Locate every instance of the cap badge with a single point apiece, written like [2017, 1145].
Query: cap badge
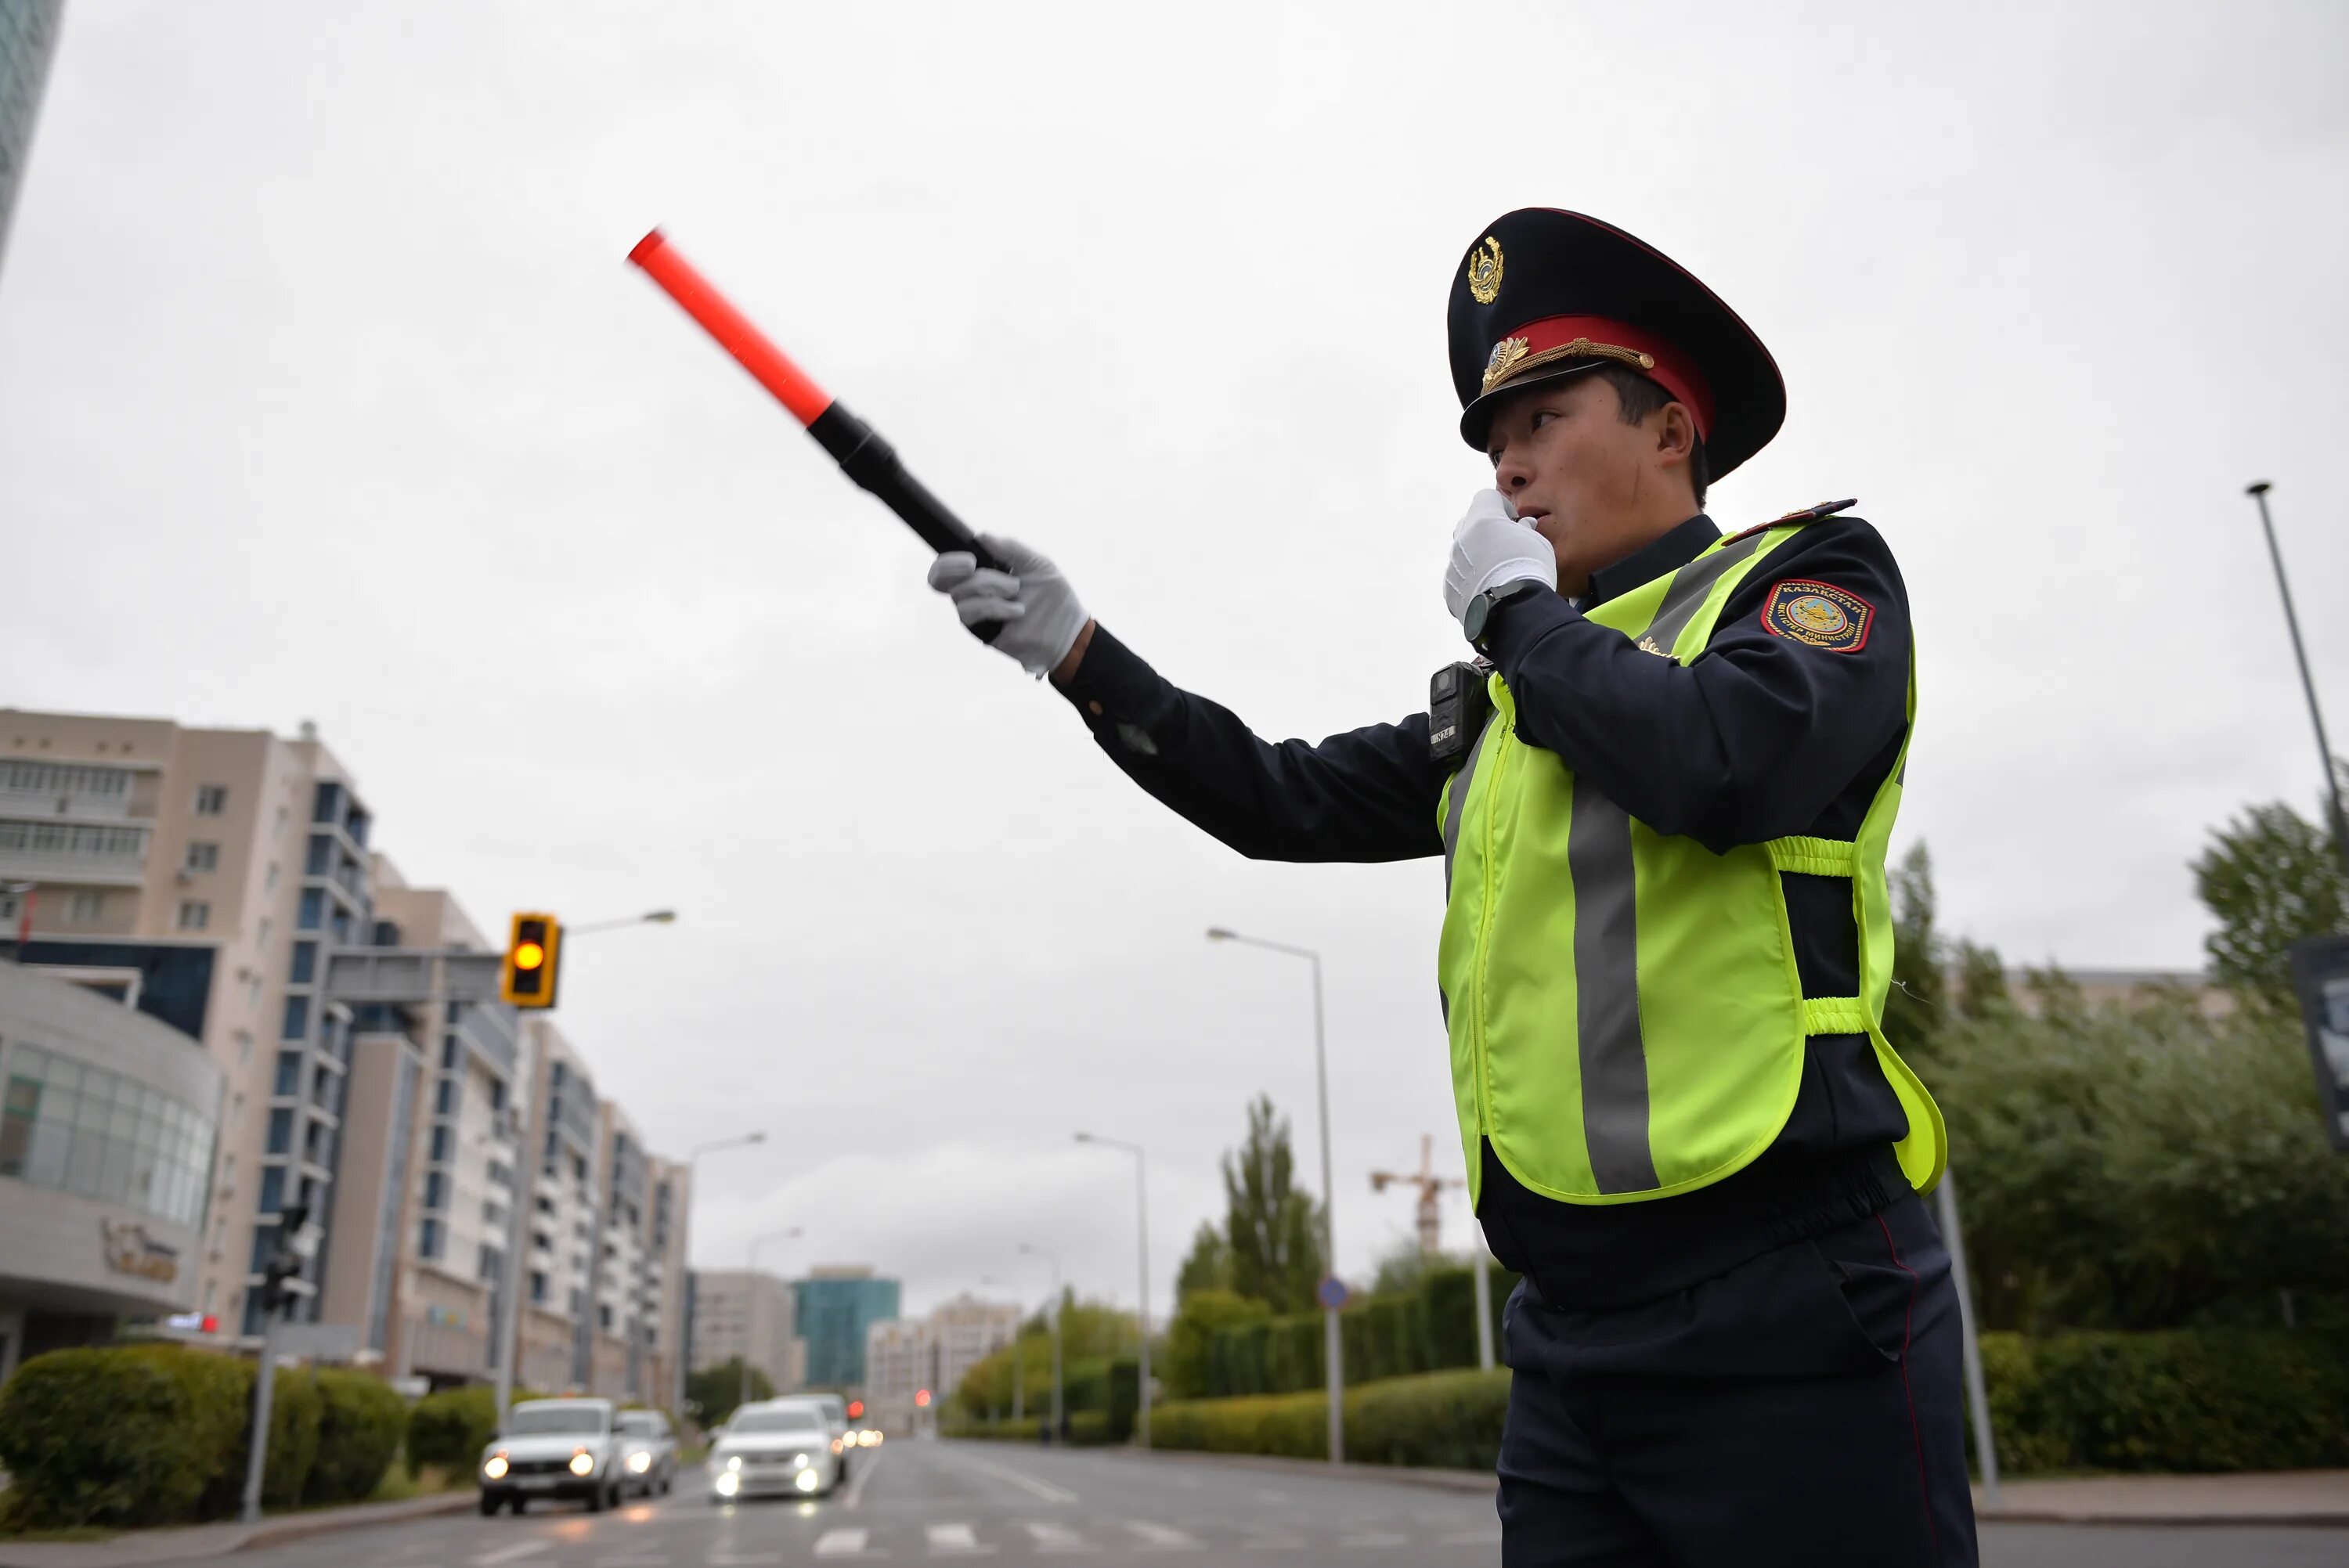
[1485, 271]
[1506, 355]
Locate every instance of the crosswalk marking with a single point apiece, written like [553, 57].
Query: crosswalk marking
[1164, 1537]
[955, 1541]
[1056, 1538]
[842, 1543]
[508, 1553]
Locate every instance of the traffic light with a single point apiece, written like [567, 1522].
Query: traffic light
[856, 1410]
[534, 957]
[922, 1397]
[284, 1262]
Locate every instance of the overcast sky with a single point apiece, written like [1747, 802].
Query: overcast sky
[325, 393]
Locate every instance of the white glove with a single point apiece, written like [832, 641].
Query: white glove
[1491, 547]
[1033, 603]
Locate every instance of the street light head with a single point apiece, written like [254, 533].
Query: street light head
[661, 917]
[1084, 1138]
[2257, 486]
[755, 1138]
[1218, 933]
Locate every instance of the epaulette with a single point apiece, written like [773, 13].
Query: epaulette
[1818, 513]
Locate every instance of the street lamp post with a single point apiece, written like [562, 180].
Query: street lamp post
[1141, 1234]
[750, 1267]
[650, 917]
[692, 1190]
[1332, 1337]
[2259, 492]
[1054, 1259]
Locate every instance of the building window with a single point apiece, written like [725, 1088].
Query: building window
[445, 1097]
[273, 1189]
[305, 963]
[429, 1242]
[84, 908]
[497, 1094]
[312, 913]
[203, 857]
[538, 1287]
[436, 1190]
[449, 1049]
[281, 1131]
[194, 914]
[269, 882]
[211, 799]
[440, 1145]
[321, 859]
[297, 1019]
[289, 1074]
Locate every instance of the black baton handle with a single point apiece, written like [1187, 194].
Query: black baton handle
[874, 465]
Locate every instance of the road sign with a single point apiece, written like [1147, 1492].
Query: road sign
[319, 1341]
[1332, 1293]
[2320, 973]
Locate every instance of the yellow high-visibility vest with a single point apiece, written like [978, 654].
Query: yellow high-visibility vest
[1626, 1017]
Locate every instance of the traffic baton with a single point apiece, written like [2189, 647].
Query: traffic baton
[859, 451]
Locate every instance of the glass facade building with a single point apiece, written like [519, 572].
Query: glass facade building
[833, 1310]
[28, 36]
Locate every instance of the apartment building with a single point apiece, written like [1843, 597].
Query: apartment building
[738, 1312]
[219, 865]
[207, 877]
[835, 1308]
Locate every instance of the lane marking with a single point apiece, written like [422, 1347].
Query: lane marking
[1163, 1537]
[632, 1563]
[1056, 1538]
[854, 1496]
[1471, 1538]
[508, 1553]
[955, 1541]
[1375, 1538]
[730, 1559]
[842, 1543]
[1042, 1488]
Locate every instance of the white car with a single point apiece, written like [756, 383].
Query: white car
[777, 1449]
[554, 1448]
[648, 1450]
[832, 1414]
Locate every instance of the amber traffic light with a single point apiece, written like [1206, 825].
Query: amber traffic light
[533, 952]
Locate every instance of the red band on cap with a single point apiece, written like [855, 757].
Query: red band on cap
[1672, 369]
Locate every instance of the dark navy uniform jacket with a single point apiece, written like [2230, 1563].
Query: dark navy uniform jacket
[1760, 737]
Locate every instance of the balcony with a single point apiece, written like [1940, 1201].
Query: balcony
[84, 854]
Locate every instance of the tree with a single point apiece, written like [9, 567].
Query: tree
[1193, 1332]
[1272, 1228]
[1208, 1265]
[2269, 877]
[1403, 1265]
[713, 1393]
[1916, 1007]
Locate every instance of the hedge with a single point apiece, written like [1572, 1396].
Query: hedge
[1451, 1419]
[1428, 1328]
[156, 1434]
[451, 1429]
[2210, 1400]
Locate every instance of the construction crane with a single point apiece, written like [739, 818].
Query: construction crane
[1431, 1186]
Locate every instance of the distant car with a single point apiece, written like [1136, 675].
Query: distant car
[832, 1412]
[776, 1448]
[647, 1450]
[554, 1448]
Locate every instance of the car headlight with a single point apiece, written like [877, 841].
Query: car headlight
[583, 1462]
[799, 1461]
[806, 1482]
[733, 1461]
[641, 1461]
[729, 1484]
[495, 1467]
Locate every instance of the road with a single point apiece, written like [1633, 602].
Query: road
[917, 1502]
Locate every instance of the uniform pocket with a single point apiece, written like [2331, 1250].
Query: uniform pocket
[1878, 1292]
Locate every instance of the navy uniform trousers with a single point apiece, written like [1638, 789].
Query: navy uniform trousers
[1801, 1408]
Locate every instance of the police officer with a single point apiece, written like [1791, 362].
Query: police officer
[1662, 797]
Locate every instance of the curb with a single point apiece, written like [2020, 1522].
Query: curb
[1441, 1480]
[147, 1549]
[286, 1532]
[2284, 1519]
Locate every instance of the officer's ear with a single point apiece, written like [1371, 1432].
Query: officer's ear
[1675, 430]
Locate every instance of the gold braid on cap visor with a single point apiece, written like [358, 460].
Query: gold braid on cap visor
[1511, 359]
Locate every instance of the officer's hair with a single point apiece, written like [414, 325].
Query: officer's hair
[1641, 398]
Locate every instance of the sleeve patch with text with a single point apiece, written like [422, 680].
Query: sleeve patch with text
[1818, 614]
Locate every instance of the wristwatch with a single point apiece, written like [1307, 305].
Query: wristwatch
[1477, 619]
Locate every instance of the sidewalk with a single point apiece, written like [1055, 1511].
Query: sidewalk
[2277, 1497]
[137, 1548]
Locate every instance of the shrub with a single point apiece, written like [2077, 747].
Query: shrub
[218, 1390]
[1089, 1429]
[452, 1428]
[360, 1423]
[95, 1436]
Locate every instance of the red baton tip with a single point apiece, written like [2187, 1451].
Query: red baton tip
[732, 329]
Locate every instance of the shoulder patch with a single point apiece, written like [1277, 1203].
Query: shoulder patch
[1819, 513]
[1818, 614]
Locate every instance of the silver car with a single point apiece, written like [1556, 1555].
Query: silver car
[647, 1450]
[554, 1448]
[780, 1451]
